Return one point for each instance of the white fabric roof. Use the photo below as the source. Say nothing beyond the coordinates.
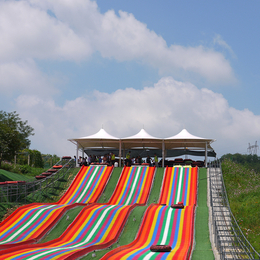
(101, 139)
(186, 140)
(142, 139)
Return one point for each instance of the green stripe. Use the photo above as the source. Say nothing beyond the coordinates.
(203, 245)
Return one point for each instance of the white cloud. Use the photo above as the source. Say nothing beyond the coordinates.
(73, 30)
(29, 32)
(218, 40)
(163, 110)
(25, 77)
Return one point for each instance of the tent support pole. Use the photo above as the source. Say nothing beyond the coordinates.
(163, 153)
(120, 151)
(206, 155)
(77, 155)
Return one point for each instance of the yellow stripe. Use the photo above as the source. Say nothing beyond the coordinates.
(188, 187)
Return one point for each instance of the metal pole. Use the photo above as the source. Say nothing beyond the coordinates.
(77, 155)
(120, 153)
(206, 155)
(163, 153)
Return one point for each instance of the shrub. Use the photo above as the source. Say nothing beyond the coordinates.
(24, 169)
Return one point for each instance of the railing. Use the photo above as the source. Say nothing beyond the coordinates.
(228, 238)
(38, 190)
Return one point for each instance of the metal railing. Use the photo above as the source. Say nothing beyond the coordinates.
(38, 190)
(228, 238)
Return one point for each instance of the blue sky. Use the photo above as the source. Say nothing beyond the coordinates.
(71, 67)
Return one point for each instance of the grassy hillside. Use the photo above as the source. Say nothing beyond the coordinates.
(243, 188)
(10, 176)
(50, 196)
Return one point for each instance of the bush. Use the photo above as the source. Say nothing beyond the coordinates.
(6, 166)
(243, 188)
(24, 169)
(21, 169)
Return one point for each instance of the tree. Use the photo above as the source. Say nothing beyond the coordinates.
(14, 135)
(35, 158)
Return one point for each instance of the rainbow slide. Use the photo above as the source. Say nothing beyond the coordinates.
(29, 223)
(133, 186)
(88, 185)
(97, 226)
(179, 185)
(162, 225)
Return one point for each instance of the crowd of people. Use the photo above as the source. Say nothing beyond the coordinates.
(110, 159)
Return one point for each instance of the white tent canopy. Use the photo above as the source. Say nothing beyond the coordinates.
(186, 140)
(100, 140)
(143, 140)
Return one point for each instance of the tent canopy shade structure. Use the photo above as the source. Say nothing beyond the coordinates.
(141, 140)
(186, 140)
(182, 143)
(100, 140)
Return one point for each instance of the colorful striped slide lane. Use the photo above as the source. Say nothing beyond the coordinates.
(162, 225)
(97, 226)
(29, 223)
(179, 185)
(88, 185)
(133, 186)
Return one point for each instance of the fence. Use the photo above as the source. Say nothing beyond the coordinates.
(38, 190)
(228, 238)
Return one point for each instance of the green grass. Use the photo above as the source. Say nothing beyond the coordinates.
(157, 184)
(203, 245)
(49, 196)
(10, 176)
(111, 185)
(243, 189)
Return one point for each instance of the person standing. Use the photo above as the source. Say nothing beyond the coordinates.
(128, 159)
(156, 160)
(113, 158)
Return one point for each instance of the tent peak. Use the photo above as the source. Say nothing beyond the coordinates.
(142, 134)
(101, 134)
